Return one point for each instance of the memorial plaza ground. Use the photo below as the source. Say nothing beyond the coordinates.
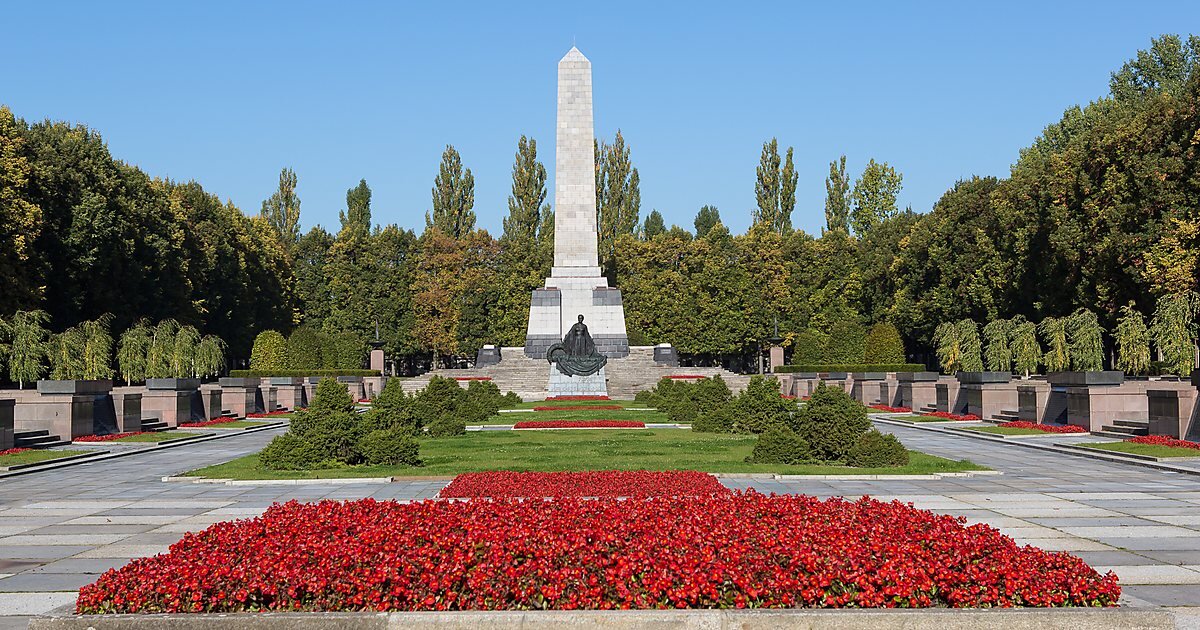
(61, 528)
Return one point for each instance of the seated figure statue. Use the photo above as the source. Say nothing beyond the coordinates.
(576, 355)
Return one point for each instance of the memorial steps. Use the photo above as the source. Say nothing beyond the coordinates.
(529, 378)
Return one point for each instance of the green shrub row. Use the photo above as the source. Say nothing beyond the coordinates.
(852, 367)
(293, 373)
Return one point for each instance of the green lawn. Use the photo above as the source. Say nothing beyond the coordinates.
(161, 436)
(1008, 431)
(641, 416)
(580, 450)
(1152, 450)
(921, 419)
(36, 456)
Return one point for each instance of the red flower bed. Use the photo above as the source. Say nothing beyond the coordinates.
(787, 397)
(724, 551)
(1154, 440)
(364, 400)
(14, 451)
(580, 408)
(636, 484)
(269, 414)
(965, 417)
(579, 424)
(686, 376)
(472, 378)
(1045, 428)
(106, 438)
(892, 409)
(553, 398)
(207, 423)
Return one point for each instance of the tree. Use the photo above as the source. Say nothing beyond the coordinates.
(874, 196)
(527, 203)
(1133, 341)
(706, 219)
(883, 345)
(1026, 351)
(269, 352)
(453, 197)
(65, 352)
(133, 351)
(1165, 67)
(357, 216)
(1174, 329)
(618, 196)
(97, 348)
(837, 197)
(282, 209)
(999, 356)
(958, 347)
(1058, 355)
(20, 219)
(775, 189)
(654, 225)
(304, 349)
(184, 354)
(210, 356)
(312, 289)
(1085, 339)
(28, 351)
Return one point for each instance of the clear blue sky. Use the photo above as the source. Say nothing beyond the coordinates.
(227, 93)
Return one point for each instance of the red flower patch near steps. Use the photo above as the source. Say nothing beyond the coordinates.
(580, 424)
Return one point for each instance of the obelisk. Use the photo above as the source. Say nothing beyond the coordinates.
(575, 286)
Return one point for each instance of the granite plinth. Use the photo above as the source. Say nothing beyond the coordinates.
(56, 387)
(6, 423)
(1085, 379)
(174, 384)
(590, 385)
(983, 377)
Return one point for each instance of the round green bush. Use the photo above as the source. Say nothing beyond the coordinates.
(876, 450)
(336, 434)
(808, 347)
(291, 452)
(884, 345)
(684, 411)
(332, 396)
(439, 398)
(511, 399)
(304, 349)
(474, 411)
(447, 426)
(711, 392)
(779, 445)
(831, 422)
(392, 409)
(390, 447)
(760, 407)
(846, 343)
(268, 352)
(718, 420)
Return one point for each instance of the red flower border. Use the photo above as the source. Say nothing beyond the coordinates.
(14, 451)
(1153, 440)
(964, 417)
(891, 409)
(207, 423)
(268, 414)
(579, 424)
(472, 378)
(1044, 428)
(580, 408)
(107, 438)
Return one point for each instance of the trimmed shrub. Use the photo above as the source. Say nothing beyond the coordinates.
(876, 450)
(808, 347)
(447, 426)
(684, 411)
(846, 343)
(304, 349)
(302, 373)
(474, 410)
(485, 394)
(440, 397)
(711, 392)
(390, 448)
(831, 422)
(268, 352)
(883, 345)
(779, 445)
(511, 400)
(335, 434)
(291, 452)
(760, 407)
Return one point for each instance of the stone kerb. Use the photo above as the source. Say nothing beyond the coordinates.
(7, 433)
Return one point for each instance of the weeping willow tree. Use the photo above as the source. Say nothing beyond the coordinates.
(1026, 351)
(5, 343)
(133, 351)
(183, 355)
(97, 348)
(1173, 329)
(972, 348)
(1085, 341)
(999, 356)
(1054, 331)
(66, 354)
(1133, 341)
(958, 347)
(210, 356)
(28, 348)
(161, 355)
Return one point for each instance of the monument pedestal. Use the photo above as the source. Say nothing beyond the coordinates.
(590, 385)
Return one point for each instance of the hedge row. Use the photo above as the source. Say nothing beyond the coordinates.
(282, 373)
(853, 367)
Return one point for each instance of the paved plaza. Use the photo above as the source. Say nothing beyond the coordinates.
(59, 529)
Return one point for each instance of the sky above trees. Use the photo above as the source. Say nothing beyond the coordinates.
(230, 94)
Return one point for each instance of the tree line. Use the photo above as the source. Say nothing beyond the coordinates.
(1099, 213)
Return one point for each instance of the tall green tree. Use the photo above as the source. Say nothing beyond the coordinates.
(998, 356)
(1166, 67)
(20, 219)
(527, 203)
(133, 351)
(28, 349)
(1174, 330)
(97, 353)
(313, 298)
(282, 209)
(775, 189)
(874, 196)
(618, 196)
(1026, 351)
(654, 225)
(706, 219)
(1058, 351)
(357, 215)
(1132, 339)
(1085, 339)
(453, 197)
(837, 197)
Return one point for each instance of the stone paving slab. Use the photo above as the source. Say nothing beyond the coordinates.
(1145, 574)
(33, 603)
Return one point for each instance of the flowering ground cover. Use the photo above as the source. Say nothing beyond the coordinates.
(472, 378)
(559, 402)
(579, 424)
(888, 409)
(208, 423)
(22, 456)
(685, 377)
(958, 417)
(578, 408)
(14, 451)
(721, 551)
(138, 436)
(236, 424)
(1163, 440)
(610, 449)
(1151, 445)
(574, 413)
(270, 414)
(1020, 427)
(637, 484)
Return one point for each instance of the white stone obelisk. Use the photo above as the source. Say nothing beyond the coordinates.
(575, 286)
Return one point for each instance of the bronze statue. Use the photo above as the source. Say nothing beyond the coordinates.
(576, 355)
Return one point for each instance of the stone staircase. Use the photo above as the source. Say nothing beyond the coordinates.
(1005, 415)
(529, 378)
(1124, 429)
(928, 409)
(153, 424)
(37, 439)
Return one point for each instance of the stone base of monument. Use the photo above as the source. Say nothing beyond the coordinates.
(563, 385)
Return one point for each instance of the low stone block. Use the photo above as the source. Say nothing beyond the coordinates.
(127, 411)
(950, 396)
(210, 399)
(917, 394)
(1173, 412)
(66, 415)
(987, 399)
(1094, 406)
(6, 423)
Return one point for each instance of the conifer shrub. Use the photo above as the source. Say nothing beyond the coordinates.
(327, 433)
(440, 397)
(291, 452)
(719, 420)
(447, 426)
(304, 347)
(390, 447)
(808, 347)
(511, 400)
(779, 445)
(760, 407)
(684, 411)
(392, 410)
(268, 351)
(876, 450)
(831, 422)
(883, 345)
(846, 343)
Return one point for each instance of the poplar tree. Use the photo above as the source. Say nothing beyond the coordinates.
(874, 196)
(706, 220)
(357, 216)
(775, 189)
(654, 225)
(527, 203)
(837, 197)
(453, 197)
(618, 196)
(282, 209)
